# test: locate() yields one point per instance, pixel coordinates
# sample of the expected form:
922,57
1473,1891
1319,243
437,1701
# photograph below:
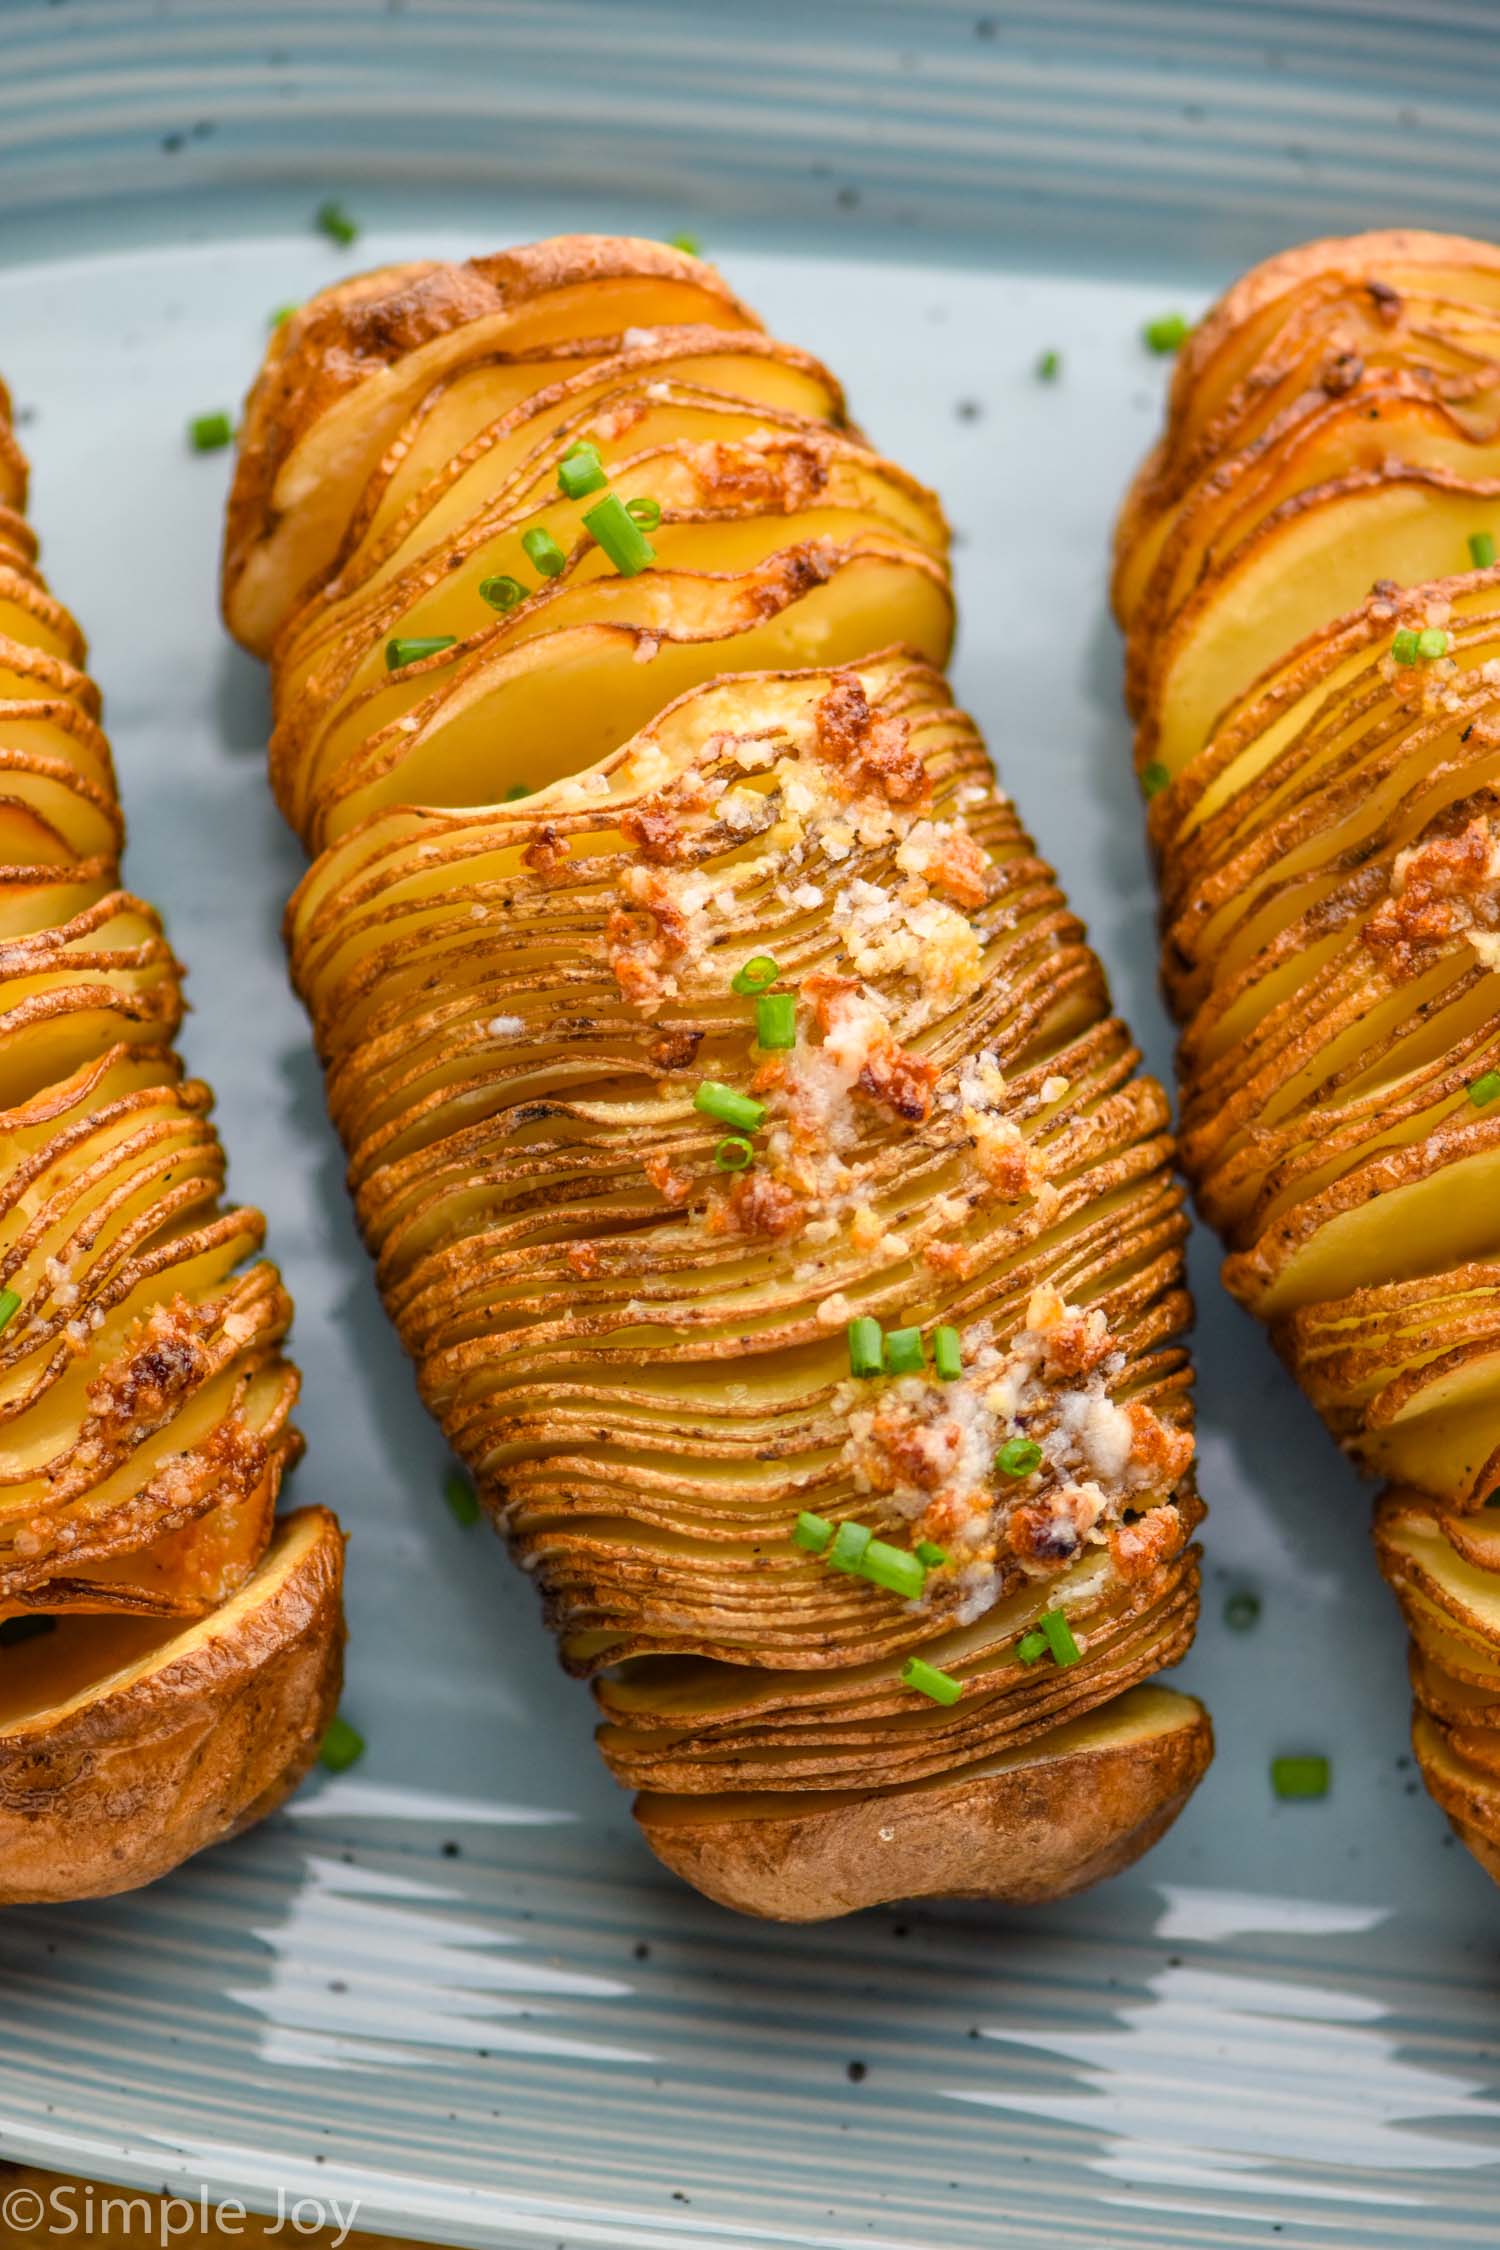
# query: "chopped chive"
622,539
543,552
865,1354
929,1552
941,1687
1485,1089
758,975
1433,642
516,790
687,243
30,1627
1167,333
647,513
1305,1776
947,1354
580,471
1018,1457
341,1745
903,1352
1059,1638
1049,367
10,1305
848,1549
733,1154
282,314
1031,1645
1404,646
399,652
1154,779
459,1494
1242,1610
501,592
812,1532
208,433
1481,549
715,1099
894,1569
334,221
776,1020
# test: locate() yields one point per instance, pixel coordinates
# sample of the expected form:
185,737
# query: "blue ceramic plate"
452,1987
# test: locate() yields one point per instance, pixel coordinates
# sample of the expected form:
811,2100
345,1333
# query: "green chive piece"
341,1746
758,975
622,539
812,1532
1481,549
1018,1457
10,1305
647,513
1031,1645
903,1352
776,1020
1404,646
848,1549
1305,1776
1242,1611
282,314
715,1099
14,1630
399,652
580,471
1485,1089
733,1154
929,1552
1167,333
687,243
893,1569
941,1687
1049,367
334,221
1059,1637
459,1494
1154,779
947,1354
865,1354
543,552
516,790
209,433
1433,642
501,593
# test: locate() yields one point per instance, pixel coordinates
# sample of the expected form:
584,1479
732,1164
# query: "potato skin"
121,1786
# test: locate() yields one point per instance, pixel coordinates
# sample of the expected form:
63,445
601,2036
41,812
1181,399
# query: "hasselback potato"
169,1658
1304,570
773,1209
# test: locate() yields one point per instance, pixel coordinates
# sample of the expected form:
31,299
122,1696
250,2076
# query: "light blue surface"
1285,2019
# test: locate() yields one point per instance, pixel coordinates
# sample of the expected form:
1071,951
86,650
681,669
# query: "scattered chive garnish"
341,1745
941,1687
399,652
758,975
282,314
1049,367
812,1532
1404,646
903,1352
208,433
893,1569
947,1354
543,552
501,592
776,1020
733,1154
687,243
866,1356
619,535
1305,1776
516,790
334,221
580,471
1433,642
459,1494
1167,333
1059,1637
1018,1457
1481,549
1242,1610
14,1630
929,1552
10,1305
1154,779
1485,1089
715,1099
1031,1645
647,513
848,1549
